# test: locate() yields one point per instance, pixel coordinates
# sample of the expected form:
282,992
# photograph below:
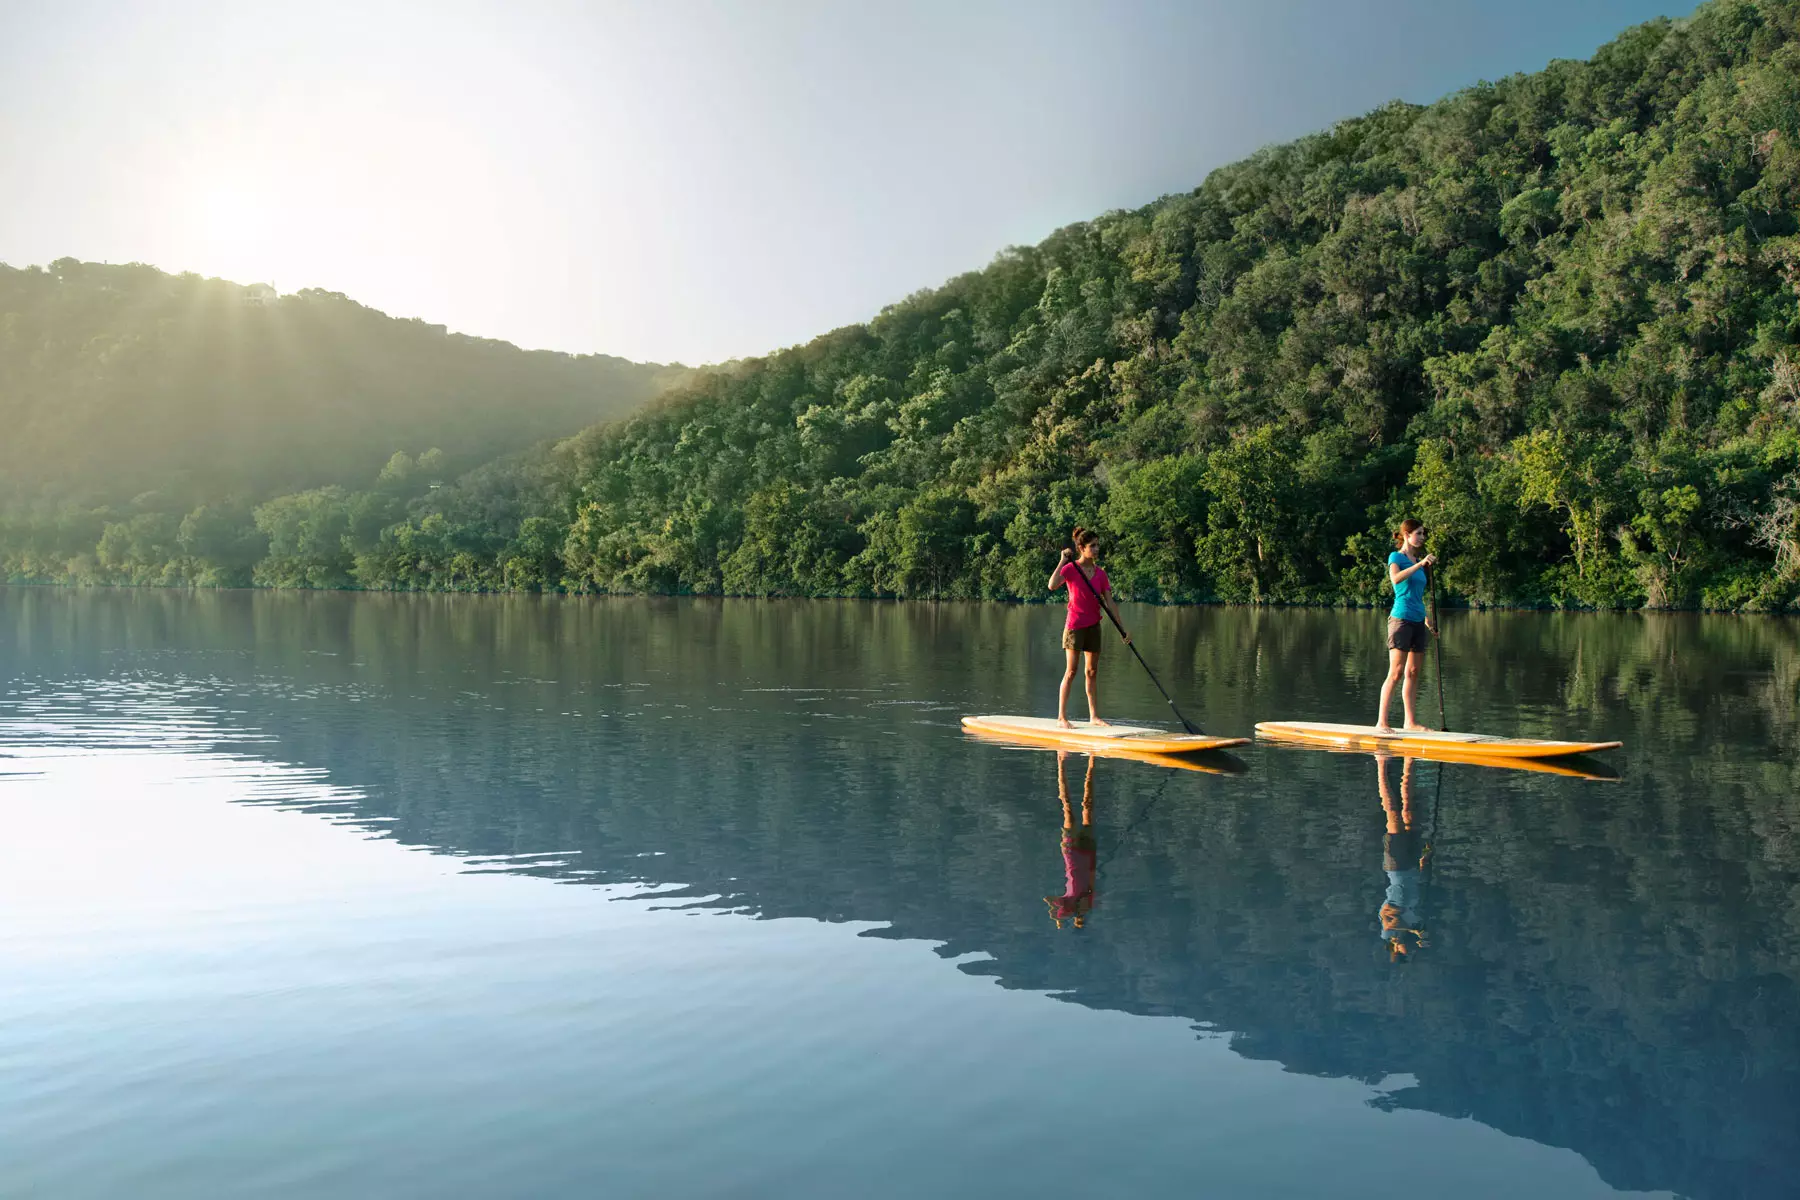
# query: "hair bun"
1076,536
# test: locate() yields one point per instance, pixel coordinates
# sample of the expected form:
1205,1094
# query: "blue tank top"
1409,593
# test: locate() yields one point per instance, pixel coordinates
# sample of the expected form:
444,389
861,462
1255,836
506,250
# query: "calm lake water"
346,896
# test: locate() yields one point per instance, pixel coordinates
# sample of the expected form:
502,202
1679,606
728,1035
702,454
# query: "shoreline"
571,594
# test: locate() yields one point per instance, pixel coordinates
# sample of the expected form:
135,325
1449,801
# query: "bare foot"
1415,727
1063,723
1386,729
1097,721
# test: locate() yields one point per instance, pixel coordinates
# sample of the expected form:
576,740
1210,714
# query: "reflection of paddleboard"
1570,765
1442,745
1212,762
1085,736
1574,766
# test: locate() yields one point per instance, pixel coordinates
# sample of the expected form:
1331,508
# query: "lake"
330,895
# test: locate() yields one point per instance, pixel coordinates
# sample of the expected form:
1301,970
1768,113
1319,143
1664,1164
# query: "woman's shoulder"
1401,557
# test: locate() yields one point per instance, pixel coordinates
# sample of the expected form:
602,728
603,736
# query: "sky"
677,180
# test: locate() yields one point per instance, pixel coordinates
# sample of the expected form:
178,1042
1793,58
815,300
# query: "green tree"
1253,500
308,540
225,543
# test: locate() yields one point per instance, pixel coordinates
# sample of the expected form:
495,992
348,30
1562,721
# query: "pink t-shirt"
1084,609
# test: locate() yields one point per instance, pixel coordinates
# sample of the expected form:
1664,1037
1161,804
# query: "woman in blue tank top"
1408,630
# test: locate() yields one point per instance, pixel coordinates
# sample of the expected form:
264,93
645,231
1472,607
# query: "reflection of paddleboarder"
1403,858
1078,849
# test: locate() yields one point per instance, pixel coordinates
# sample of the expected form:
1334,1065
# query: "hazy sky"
673,179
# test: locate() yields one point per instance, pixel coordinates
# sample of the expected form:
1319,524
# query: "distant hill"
117,380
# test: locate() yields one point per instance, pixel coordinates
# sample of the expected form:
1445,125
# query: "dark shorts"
1086,638
1407,635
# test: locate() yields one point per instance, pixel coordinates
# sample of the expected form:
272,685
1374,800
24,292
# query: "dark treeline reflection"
1609,967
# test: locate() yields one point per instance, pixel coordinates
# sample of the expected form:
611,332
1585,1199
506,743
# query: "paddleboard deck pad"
1084,735
1437,744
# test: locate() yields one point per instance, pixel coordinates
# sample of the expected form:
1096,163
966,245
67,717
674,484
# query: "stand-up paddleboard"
1435,743
1084,735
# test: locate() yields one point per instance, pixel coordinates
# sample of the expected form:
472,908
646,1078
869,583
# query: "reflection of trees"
1613,966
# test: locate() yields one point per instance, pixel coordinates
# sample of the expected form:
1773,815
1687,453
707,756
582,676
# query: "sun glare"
237,228
231,214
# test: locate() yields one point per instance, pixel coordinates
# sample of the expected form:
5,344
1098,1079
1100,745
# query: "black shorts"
1086,638
1407,635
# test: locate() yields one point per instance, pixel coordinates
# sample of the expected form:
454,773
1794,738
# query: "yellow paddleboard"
1084,735
1460,746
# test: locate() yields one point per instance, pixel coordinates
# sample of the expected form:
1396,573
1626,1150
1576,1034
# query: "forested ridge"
146,416
1554,316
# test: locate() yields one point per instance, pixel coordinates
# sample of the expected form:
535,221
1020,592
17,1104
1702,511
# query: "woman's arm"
1056,576
1396,574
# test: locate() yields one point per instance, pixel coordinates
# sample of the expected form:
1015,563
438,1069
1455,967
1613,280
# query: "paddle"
1089,585
1143,812
1437,643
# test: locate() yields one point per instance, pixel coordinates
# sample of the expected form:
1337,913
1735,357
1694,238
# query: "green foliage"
1554,316
309,542
225,541
1156,506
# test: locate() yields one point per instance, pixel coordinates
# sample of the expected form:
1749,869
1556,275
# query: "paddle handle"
1095,592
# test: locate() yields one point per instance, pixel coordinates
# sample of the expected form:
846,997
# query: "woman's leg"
1062,696
1093,687
1396,667
1409,695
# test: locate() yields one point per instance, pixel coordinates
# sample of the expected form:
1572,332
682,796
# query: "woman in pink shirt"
1081,636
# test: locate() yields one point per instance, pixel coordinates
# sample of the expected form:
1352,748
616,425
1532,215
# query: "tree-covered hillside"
132,397
1554,316
117,379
